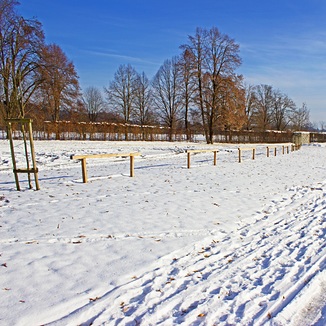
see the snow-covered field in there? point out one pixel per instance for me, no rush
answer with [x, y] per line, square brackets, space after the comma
[231, 244]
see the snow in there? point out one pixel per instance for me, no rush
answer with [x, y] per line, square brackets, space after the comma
[231, 244]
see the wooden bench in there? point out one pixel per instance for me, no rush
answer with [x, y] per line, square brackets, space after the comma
[194, 151]
[83, 158]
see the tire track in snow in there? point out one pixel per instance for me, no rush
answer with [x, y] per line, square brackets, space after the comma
[87, 238]
[247, 278]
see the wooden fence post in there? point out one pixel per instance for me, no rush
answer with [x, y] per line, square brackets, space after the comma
[37, 185]
[253, 153]
[215, 157]
[239, 149]
[13, 156]
[188, 160]
[132, 165]
[84, 170]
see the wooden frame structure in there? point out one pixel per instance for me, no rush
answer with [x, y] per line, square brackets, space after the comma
[29, 170]
[196, 151]
[83, 158]
[246, 149]
[285, 149]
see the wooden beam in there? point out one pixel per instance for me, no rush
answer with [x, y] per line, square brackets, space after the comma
[201, 150]
[31, 170]
[80, 157]
[194, 151]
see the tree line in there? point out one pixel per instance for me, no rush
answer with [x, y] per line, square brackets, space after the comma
[199, 88]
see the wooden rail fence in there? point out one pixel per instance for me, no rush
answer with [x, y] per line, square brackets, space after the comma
[83, 158]
[196, 151]
[285, 149]
[240, 149]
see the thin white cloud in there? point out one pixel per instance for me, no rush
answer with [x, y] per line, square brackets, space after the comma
[288, 48]
[122, 57]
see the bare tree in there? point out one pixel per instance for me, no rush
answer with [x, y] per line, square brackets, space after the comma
[166, 94]
[322, 125]
[216, 57]
[143, 112]
[20, 43]
[121, 91]
[300, 118]
[282, 107]
[250, 100]
[187, 85]
[93, 102]
[60, 87]
[264, 107]
[196, 50]
[269, 108]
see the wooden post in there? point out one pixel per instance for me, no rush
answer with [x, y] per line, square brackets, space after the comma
[267, 151]
[287, 147]
[275, 149]
[215, 157]
[253, 153]
[188, 160]
[13, 156]
[26, 156]
[132, 165]
[33, 155]
[239, 149]
[84, 170]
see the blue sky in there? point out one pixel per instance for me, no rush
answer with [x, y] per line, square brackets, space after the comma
[282, 43]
